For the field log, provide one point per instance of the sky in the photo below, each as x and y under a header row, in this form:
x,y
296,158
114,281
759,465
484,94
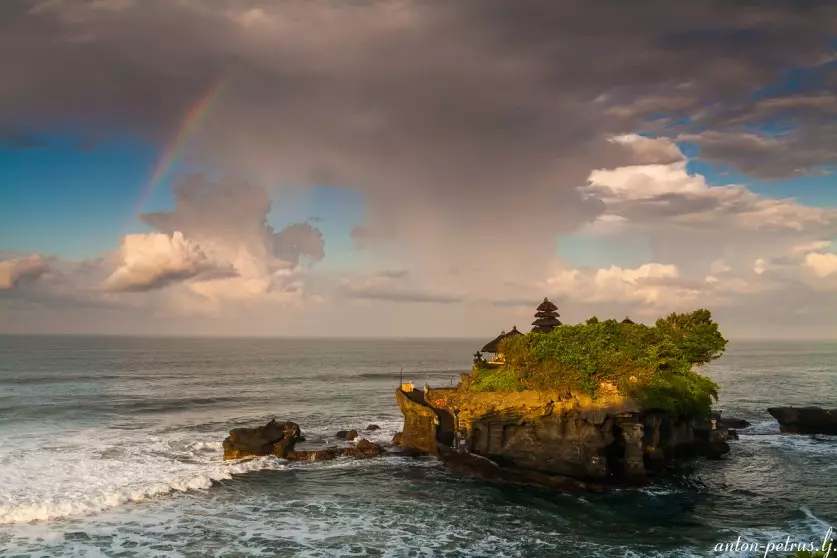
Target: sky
x,y
416,167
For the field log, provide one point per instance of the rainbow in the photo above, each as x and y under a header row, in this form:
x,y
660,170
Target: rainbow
x,y
186,130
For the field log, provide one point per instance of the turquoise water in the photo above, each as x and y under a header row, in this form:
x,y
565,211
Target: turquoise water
x,y
111,447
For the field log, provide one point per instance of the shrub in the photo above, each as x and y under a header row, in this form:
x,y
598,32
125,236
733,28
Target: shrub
x,y
494,379
651,364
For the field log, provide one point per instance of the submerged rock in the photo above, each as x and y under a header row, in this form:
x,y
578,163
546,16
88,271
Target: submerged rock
x,y
736,423
373,427
729,422
346,435
278,439
482,467
273,438
805,420
363,449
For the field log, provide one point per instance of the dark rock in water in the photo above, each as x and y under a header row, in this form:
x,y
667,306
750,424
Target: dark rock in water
x,y
278,439
346,435
732,434
485,468
716,446
733,423
396,440
729,422
373,427
805,420
364,449
273,438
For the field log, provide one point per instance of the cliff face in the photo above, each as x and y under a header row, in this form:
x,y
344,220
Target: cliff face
x,y
542,435
420,421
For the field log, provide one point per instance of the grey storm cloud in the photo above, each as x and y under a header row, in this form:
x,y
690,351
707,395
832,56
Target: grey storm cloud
x,y
466,125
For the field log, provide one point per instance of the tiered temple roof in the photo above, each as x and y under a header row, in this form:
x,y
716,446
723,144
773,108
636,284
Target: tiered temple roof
x,y
546,317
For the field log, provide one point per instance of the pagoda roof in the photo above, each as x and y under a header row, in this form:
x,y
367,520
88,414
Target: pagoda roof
x,y
548,321
546,306
543,329
544,314
627,320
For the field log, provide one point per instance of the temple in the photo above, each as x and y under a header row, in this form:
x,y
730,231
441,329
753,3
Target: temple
x,y
493,346
546,317
546,320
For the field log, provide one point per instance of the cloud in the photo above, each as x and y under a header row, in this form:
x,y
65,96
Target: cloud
x,y
822,265
653,284
470,149
770,156
394,286
13,271
685,220
452,138
229,217
298,240
153,261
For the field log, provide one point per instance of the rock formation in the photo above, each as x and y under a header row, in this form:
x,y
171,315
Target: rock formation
x,y
551,439
273,438
346,435
279,439
805,420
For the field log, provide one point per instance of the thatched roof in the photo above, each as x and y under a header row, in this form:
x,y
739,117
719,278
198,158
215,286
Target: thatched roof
x,y
627,320
543,329
494,345
548,321
543,314
546,306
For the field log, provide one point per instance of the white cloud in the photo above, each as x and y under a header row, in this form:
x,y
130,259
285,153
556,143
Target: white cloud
x,y
14,270
650,284
822,264
152,261
812,246
669,194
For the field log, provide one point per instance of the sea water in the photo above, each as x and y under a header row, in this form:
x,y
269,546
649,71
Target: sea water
x,y
111,446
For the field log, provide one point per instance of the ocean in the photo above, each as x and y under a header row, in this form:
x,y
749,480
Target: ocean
x,y
111,446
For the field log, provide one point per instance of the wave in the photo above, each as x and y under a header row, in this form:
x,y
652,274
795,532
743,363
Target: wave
x,y
93,470
30,380
100,500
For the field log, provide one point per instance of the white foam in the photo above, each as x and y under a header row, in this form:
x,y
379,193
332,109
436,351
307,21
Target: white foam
x,y
93,470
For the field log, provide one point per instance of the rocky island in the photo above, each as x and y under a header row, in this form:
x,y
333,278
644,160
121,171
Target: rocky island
x,y
563,406
577,406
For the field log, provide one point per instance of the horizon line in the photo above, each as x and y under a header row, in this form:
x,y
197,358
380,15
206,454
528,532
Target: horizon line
x,y
335,337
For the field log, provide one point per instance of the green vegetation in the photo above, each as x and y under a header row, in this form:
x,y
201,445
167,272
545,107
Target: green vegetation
x,y
495,379
651,364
